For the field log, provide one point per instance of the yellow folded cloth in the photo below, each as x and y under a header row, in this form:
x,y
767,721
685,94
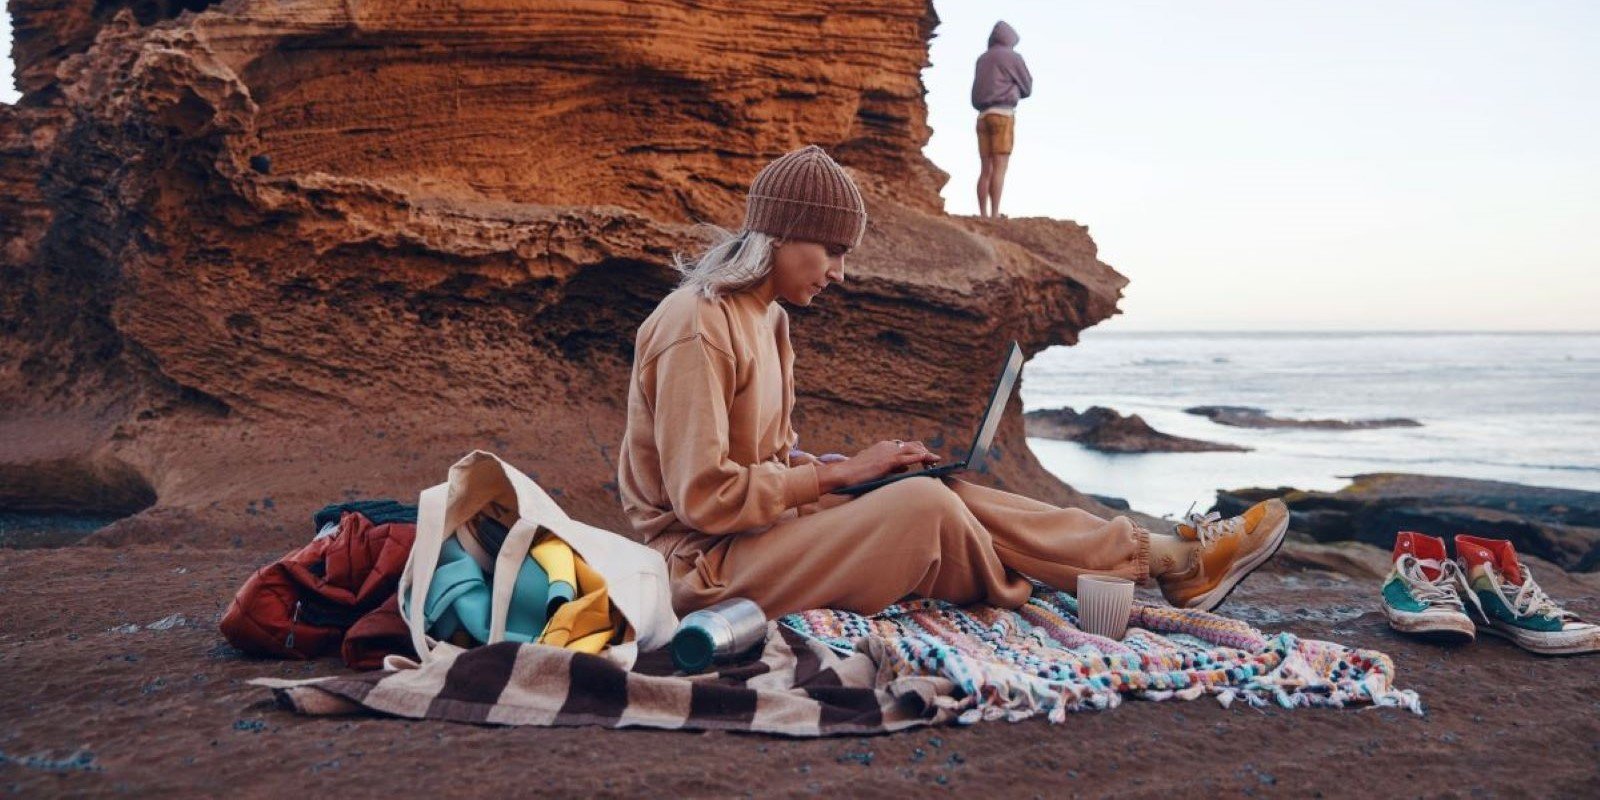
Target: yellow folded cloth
x,y
558,561
587,623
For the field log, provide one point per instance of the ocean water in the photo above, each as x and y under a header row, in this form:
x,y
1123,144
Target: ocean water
x,y
1517,407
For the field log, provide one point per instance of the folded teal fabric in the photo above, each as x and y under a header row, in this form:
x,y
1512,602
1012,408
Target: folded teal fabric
x,y
460,595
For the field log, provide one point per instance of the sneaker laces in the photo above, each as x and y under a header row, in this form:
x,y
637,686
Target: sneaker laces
x,y
1447,589
1210,527
1531,600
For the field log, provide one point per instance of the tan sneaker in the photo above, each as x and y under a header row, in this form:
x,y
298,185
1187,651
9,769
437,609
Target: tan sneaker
x,y
1230,549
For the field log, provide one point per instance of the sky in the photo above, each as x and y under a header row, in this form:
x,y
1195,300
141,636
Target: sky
x,y
1297,165
1261,165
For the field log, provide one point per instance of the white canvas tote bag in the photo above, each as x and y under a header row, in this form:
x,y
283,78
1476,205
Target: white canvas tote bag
x,y
636,576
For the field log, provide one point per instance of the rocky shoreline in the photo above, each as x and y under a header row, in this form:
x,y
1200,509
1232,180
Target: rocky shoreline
x,y
1249,417
1103,429
1561,526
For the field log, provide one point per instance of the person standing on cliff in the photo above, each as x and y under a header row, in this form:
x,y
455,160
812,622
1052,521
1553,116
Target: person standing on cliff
x,y
1000,81
709,474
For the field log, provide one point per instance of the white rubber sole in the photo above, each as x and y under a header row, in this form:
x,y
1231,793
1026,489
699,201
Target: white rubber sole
x,y
1442,624
1241,570
1583,642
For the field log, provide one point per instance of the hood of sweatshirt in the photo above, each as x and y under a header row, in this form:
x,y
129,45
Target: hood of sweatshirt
x,y
1003,35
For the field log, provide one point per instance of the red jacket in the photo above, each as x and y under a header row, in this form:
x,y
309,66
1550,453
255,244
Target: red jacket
x,y
304,604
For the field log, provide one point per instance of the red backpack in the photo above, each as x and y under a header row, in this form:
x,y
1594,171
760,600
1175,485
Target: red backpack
x,y
302,605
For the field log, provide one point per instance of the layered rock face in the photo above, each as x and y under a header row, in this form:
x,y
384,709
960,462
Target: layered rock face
x,y
263,255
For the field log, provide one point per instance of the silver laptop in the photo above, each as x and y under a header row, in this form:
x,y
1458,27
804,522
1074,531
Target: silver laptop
x,y
987,425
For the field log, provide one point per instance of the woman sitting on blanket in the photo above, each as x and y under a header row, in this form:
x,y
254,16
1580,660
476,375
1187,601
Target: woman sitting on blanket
x,y
707,476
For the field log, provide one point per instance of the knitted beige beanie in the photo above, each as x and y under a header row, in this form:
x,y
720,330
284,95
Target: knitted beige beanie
x,y
806,195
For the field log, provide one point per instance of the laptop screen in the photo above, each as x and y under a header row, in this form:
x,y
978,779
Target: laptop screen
x,y
997,407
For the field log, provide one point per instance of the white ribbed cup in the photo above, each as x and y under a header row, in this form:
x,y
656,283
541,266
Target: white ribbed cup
x,y
1104,604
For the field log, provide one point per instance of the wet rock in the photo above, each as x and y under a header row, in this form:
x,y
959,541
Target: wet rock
x,y
1354,559
1559,525
1104,429
1247,417
1115,503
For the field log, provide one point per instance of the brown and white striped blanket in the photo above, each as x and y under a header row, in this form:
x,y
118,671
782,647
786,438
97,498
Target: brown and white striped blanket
x,y
798,687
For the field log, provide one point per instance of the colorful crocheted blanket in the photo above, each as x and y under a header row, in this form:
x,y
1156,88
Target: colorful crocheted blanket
x,y
1034,660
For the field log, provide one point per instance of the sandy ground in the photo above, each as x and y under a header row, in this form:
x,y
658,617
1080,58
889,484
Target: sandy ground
x,y
105,693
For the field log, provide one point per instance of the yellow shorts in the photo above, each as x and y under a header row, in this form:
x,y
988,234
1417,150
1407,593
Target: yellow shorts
x,y
994,134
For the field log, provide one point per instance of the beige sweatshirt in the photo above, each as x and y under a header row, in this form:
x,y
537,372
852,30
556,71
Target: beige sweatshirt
x,y
709,432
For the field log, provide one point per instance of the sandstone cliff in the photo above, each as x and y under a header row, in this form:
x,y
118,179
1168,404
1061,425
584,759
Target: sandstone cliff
x,y
262,255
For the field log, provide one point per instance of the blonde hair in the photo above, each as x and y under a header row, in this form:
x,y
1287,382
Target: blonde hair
x,y
732,263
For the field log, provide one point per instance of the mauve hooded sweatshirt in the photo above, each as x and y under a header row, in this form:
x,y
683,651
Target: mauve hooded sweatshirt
x,y
1002,77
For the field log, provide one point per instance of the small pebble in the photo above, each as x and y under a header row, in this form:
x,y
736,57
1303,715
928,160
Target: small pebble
x,y
168,622
864,757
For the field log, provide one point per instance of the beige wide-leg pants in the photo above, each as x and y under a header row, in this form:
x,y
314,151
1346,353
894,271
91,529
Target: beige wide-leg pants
x,y
949,540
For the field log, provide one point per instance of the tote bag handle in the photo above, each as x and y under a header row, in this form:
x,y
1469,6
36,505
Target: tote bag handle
x,y
424,559
476,480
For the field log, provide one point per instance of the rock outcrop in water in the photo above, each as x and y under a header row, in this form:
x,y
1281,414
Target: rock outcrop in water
x,y
262,255
1559,525
1246,417
1104,429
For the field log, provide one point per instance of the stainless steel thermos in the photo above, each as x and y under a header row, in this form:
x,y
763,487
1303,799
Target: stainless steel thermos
x,y
726,630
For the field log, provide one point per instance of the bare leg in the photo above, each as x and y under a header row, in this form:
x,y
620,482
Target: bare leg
x,y
984,177
997,180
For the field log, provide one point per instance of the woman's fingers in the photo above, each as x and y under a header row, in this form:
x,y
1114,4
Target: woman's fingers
x,y
917,458
896,456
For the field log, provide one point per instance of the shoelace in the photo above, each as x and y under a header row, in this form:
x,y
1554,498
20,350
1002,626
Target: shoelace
x,y
1210,527
1447,589
1531,600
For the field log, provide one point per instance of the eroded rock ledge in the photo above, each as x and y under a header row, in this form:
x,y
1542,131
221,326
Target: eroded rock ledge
x,y
461,227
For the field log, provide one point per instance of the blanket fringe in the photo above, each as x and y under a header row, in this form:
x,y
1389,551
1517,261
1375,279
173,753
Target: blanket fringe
x,y
1015,665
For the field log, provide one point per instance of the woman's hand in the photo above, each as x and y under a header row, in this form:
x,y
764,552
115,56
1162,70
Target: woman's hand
x,y
872,463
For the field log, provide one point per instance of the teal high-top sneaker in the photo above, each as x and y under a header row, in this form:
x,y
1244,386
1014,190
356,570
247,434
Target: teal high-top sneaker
x,y
1513,606
1422,594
